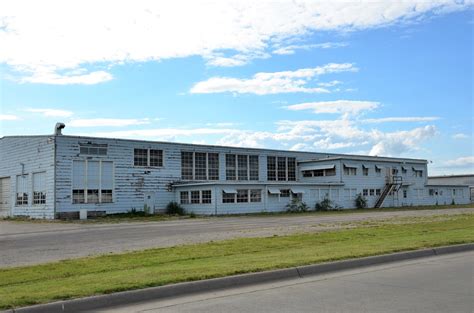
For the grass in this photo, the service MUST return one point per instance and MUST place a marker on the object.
(117, 272)
(137, 217)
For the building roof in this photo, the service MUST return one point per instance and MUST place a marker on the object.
(328, 156)
(365, 158)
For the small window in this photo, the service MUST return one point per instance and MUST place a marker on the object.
(350, 171)
(394, 171)
(78, 196)
(365, 171)
(228, 197)
(242, 195)
(377, 192)
(378, 171)
(140, 157)
(284, 193)
(195, 197)
(156, 158)
(92, 149)
(318, 173)
(106, 196)
(206, 196)
(255, 195)
(92, 196)
(372, 192)
(405, 193)
(184, 197)
(330, 171)
(365, 192)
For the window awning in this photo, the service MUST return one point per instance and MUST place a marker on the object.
(404, 168)
(351, 165)
(317, 167)
(418, 168)
(297, 190)
(273, 190)
(380, 167)
(229, 190)
(365, 166)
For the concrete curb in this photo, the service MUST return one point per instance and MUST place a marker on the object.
(186, 288)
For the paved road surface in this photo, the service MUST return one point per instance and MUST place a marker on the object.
(436, 284)
(31, 243)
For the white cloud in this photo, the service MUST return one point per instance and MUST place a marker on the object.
(460, 136)
(272, 83)
(165, 133)
(400, 119)
(107, 122)
(8, 117)
(330, 84)
(344, 107)
(51, 112)
(52, 78)
(291, 49)
(461, 161)
(33, 36)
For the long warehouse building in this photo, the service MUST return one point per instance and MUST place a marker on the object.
(58, 176)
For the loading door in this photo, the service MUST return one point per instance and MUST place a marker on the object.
(5, 197)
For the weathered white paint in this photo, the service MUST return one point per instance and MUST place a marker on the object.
(138, 188)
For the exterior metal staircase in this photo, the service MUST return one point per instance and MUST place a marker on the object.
(393, 184)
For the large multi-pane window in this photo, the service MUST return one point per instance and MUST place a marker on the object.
(206, 196)
(199, 166)
(187, 165)
(271, 168)
(39, 188)
(148, 157)
(184, 197)
(241, 167)
(197, 197)
(230, 166)
(200, 170)
(281, 168)
(242, 196)
(92, 181)
(253, 167)
(21, 190)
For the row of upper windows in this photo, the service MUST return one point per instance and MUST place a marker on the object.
(205, 166)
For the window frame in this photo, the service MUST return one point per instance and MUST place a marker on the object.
(148, 158)
(85, 190)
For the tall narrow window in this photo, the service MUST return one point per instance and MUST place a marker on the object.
(281, 168)
(365, 171)
(22, 190)
(39, 188)
(201, 166)
(187, 165)
(213, 166)
(253, 164)
(230, 166)
(93, 181)
(78, 181)
(107, 182)
(242, 165)
(271, 168)
(291, 169)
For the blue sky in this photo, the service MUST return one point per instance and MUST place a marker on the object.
(379, 78)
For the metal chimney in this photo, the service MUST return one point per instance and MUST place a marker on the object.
(57, 129)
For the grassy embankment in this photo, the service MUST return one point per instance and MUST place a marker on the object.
(105, 274)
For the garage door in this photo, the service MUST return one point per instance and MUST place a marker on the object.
(5, 196)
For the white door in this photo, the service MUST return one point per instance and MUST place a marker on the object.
(149, 205)
(5, 197)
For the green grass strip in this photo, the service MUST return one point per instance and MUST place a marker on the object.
(117, 272)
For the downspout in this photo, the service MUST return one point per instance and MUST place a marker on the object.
(215, 200)
(55, 178)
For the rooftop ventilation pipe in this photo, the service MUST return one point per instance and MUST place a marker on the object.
(57, 129)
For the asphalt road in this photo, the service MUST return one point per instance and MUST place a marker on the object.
(434, 284)
(23, 243)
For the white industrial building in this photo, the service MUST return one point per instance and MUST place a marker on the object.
(58, 176)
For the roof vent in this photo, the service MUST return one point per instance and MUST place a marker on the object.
(57, 129)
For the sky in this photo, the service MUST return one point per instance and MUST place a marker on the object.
(386, 78)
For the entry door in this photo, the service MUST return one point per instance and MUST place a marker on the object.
(149, 205)
(5, 197)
